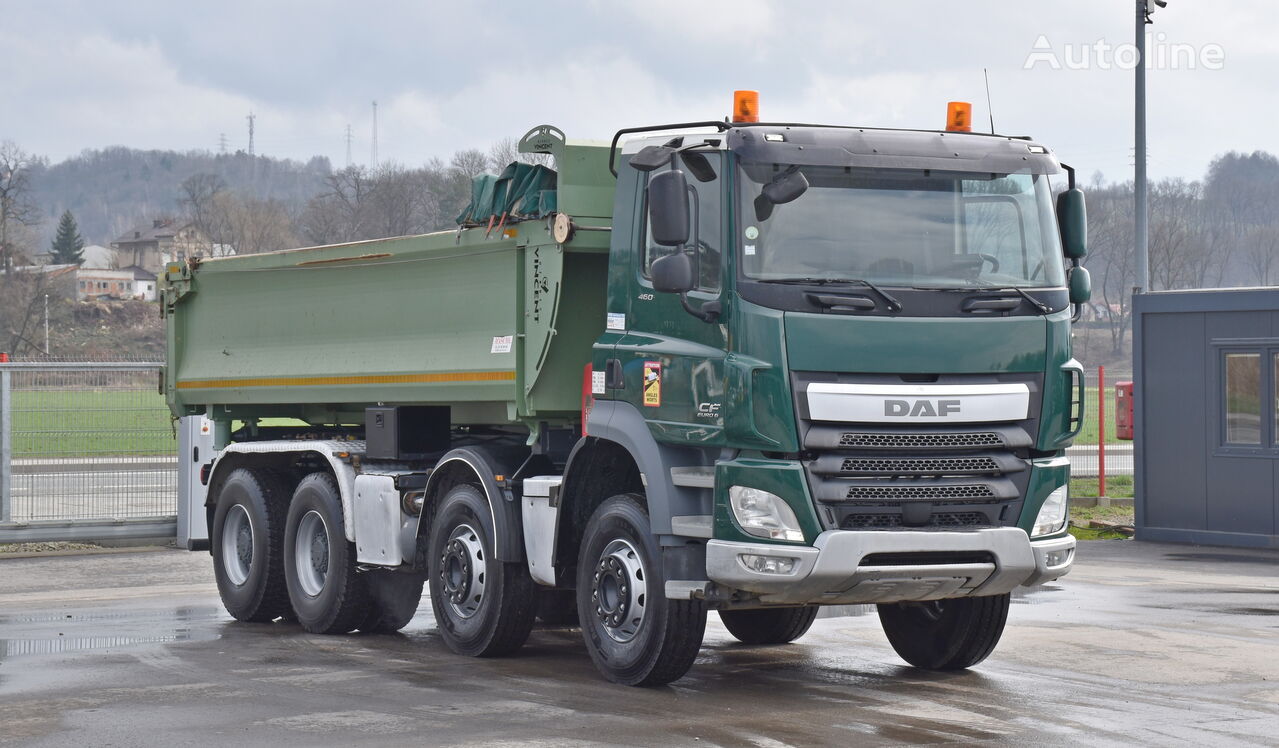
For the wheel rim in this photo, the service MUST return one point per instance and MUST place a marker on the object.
(311, 553)
(462, 575)
(619, 592)
(237, 544)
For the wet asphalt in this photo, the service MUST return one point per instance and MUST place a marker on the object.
(1141, 643)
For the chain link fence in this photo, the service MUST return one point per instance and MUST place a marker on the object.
(87, 452)
(1097, 437)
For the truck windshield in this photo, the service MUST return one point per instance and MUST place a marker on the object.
(917, 229)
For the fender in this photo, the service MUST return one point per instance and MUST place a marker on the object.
(621, 422)
(504, 523)
(342, 472)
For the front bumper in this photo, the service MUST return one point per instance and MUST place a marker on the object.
(988, 561)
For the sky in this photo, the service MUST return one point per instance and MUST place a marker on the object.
(453, 75)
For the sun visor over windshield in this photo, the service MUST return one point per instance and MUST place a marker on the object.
(891, 149)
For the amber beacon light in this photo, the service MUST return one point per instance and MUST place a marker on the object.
(959, 116)
(746, 106)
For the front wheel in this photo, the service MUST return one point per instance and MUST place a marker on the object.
(635, 635)
(484, 607)
(945, 634)
(770, 625)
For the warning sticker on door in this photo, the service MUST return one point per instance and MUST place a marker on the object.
(653, 383)
(502, 343)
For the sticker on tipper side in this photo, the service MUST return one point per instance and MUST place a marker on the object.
(502, 343)
(616, 321)
(597, 383)
(652, 383)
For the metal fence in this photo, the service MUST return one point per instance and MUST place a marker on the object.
(87, 452)
(1098, 437)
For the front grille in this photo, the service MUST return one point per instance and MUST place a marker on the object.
(919, 493)
(938, 519)
(919, 465)
(915, 474)
(959, 440)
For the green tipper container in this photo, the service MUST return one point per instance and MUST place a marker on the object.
(496, 322)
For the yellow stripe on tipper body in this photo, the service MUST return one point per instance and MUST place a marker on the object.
(431, 378)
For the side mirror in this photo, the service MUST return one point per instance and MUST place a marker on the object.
(673, 273)
(668, 208)
(783, 188)
(1080, 285)
(651, 157)
(1072, 217)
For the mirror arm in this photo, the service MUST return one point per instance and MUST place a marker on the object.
(1078, 314)
(1070, 176)
(708, 312)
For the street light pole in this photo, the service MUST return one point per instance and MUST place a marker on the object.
(1140, 187)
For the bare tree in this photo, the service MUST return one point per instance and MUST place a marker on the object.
(1176, 241)
(18, 211)
(1111, 256)
(199, 199)
(252, 225)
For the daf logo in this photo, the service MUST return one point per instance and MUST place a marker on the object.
(918, 408)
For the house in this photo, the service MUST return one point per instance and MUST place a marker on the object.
(129, 283)
(165, 240)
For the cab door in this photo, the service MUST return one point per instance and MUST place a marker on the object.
(672, 362)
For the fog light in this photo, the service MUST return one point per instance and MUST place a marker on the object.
(1053, 559)
(1052, 515)
(767, 564)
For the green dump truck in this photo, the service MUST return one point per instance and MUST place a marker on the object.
(735, 366)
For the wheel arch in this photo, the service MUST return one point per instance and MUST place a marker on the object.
(480, 467)
(285, 457)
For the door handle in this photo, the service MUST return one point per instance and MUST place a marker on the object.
(614, 379)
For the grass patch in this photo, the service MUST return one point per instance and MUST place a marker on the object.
(1117, 487)
(76, 423)
(1120, 515)
(1089, 533)
(1088, 435)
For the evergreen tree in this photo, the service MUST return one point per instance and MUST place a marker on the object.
(68, 246)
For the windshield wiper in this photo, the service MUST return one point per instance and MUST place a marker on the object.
(893, 304)
(1041, 306)
(981, 287)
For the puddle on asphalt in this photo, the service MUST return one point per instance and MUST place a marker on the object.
(56, 633)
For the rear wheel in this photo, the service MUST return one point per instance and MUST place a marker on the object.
(635, 635)
(945, 634)
(484, 607)
(329, 596)
(769, 625)
(393, 600)
(248, 545)
(557, 607)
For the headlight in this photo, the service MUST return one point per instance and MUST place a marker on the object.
(1052, 515)
(763, 514)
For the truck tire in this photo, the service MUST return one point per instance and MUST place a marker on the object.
(329, 596)
(634, 635)
(484, 607)
(248, 545)
(393, 600)
(769, 625)
(557, 607)
(945, 634)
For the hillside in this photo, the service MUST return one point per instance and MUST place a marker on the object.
(111, 190)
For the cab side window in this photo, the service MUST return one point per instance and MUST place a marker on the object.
(705, 206)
